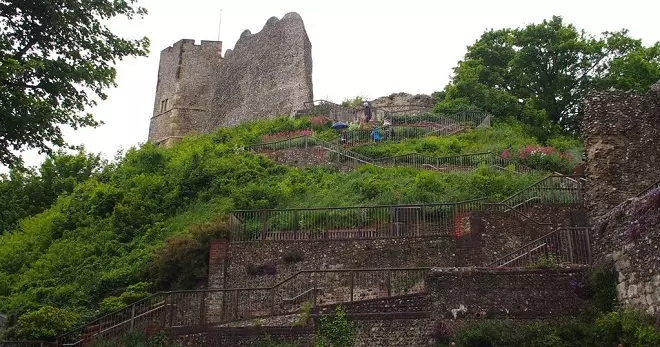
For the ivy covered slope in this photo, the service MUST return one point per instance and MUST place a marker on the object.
(148, 216)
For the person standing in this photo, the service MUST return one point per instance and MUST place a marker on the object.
(367, 112)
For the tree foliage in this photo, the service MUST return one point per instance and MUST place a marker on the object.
(27, 192)
(55, 57)
(540, 73)
(149, 216)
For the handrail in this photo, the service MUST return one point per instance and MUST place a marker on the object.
(359, 207)
(536, 184)
(519, 213)
(653, 186)
(373, 161)
(221, 290)
(531, 243)
(524, 254)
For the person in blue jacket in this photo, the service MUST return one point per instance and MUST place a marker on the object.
(375, 134)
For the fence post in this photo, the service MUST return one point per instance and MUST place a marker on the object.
(315, 279)
(389, 283)
(571, 248)
(352, 284)
(202, 309)
(132, 317)
(272, 300)
(587, 231)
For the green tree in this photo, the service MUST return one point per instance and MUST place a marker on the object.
(54, 57)
(540, 73)
(27, 192)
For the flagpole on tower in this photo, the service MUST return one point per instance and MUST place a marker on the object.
(219, 43)
(219, 25)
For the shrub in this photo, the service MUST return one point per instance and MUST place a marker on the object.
(45, 323)
(542, 158)
(335, 331)
(183, 262)
(132, 294)
(293, 256)
(601, 287)
(268, 269)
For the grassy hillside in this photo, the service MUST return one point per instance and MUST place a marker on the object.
(148, 217)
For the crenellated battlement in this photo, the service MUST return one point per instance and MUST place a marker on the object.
(266, 74)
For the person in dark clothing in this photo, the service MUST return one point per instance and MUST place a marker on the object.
(367, 111)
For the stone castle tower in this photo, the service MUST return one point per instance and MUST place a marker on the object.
(267, 74)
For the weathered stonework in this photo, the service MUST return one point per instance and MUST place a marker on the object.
(306, 157)
(329, 254)
(622, 143)
(403, 101)
(484, 293)
(393, 332)
(629, 236)
(495, 234)
(267, 74)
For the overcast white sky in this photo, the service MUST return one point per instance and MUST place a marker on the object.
(370, 48)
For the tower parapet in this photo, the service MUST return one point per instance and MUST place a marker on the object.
(266, 74)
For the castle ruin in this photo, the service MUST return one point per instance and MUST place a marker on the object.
(267, 74)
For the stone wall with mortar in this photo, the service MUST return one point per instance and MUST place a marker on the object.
(329, 254)
(495, 234)
(622, 143)
(306, 157)
(486, 293)
(403, 101)
(629, 237)
(184, 88)
(243, 336)
(393, 332)
(267, 74)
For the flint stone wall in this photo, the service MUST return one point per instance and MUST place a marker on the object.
(629, 236)
(306, 157)
(485, 293)
(267, 74)
(495, 234)
(622, 143)
(329, 254)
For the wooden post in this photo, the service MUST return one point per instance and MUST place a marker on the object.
(132, 317)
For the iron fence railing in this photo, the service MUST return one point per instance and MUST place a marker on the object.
(456, 163)
(178, 309)
(645, 191)
(333, 111)
(349, 222)
(463, 119)
(26, 344)
(554, 189)
(561, 246)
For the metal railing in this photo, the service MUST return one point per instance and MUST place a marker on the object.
(358, 222)
(180, 309)
(463, 119)
(337, 152)
(333, 111)
(26, 344)
(645, 191)
(561, 246)
(456, 163)
(554, 189)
